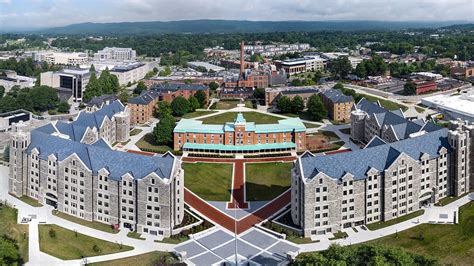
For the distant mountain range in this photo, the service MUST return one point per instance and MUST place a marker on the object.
(235, 26)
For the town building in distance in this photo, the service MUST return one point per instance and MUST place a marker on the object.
(338, 104)
(10, 79)
(240, 137)
(382, 181)
(72, 167)
(60, 58)
(453, 106)
(70, 82)
(115, 54)
(142, 106)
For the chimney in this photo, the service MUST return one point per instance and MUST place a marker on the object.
(242, 59)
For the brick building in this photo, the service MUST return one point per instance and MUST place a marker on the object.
(240, 136)
(424, 86)
(142, 106)
(338, 105)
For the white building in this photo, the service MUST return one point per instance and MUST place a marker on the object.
(12, 79)
(454, 106)
(206, 65)
(69, 82)
(62, 58)
(304, 64)
(130, 73)
(115, 53)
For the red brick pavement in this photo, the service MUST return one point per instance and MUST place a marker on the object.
(238, 187)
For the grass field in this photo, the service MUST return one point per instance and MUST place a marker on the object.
(147, 259)
(197, 114)
(135, 235)
(446, 200)
(29, 201)
(403, 218)
(258, 118)
(147, 143)
(450, 244)
(67, 245)
(96, 225)
(10, 228)
(309, 125)
(331, 136)
(385, 103)
(265, 181)
(135, 131)
(229, 104)
(210, 181)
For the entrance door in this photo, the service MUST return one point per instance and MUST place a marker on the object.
(51, 203)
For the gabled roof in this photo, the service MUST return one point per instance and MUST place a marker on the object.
(375, 141)
(379, 157)
(96, 157)
(336, 96)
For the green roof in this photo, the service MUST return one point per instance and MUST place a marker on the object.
(255, 147)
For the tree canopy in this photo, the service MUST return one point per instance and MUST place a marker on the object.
(201, 97)
(316, 108)
(163, 130)
(409, 88)
(180, 106)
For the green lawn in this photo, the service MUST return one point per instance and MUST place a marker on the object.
(385, 103)
(135, 131)
(147, 259)
(68, 245)
(450, 244)
(29, 201)
(403, 218)
(258, 118)
(96, 225)
(147, 143)
(446, 200)
(309, 125)
(229, 104)
(210, 181)
(135, 235)
(265, 181)
(339, 235)
(419, 109)
(197, 114)
(10, 228)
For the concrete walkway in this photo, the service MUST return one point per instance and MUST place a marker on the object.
(439, 215)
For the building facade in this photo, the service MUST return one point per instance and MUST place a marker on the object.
(369, 119)
(61, 58)
(69, 82)
(240, 136)
(130, 73)
(381, 182)
(115, 54)
(66, 166)
(11, 79)
(301, 65)
(142, 106)
(338, 104)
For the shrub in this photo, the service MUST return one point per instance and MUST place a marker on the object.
(52, 233)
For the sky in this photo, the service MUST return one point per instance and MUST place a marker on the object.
(30, 14)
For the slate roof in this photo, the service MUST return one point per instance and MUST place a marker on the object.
(99, 100)
(336, 96)
(379, 157)
(178, 86)
(395, 120)
(96, 118)
(96, 156)
(375, 141)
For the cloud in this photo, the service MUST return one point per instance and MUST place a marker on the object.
(64, 12)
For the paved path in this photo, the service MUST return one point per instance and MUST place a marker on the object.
(238, 187)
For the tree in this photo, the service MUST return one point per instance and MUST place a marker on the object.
(338, 86)
(213, 85)
(193, 103)
(297, 104)
(201, 97)
(163, 131)
(409, 88)
(63, 107)
(341, 67)
(123, 96)
(9, 253)
(52, 233)
(43, 98)
(93, 88)
(284, 104)
(140, 88)
(162, 109)
(2, 91)
(316, 108)
(360, 70)
(180, 106)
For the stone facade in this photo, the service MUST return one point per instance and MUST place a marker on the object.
(322, 203)
(84, 178)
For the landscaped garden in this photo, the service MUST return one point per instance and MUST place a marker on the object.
(148, 143)
(197, 114)
(266, 181)
(256, 117)
(229, 104)
(69, 245)
(92, 224)
(450, 244)
(210, 181)
(13, 238)
(147, 259)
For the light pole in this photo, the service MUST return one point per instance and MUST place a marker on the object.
(236, 205)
